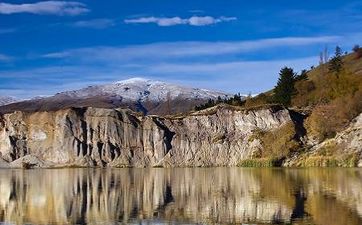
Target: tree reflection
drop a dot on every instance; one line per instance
(185, 195)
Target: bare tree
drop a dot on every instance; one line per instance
(323, 60)
(323, 56)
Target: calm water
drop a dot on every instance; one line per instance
(181, 196)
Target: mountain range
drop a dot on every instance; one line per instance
(139, 94)
(5, 100)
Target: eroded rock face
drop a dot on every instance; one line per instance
(348, 141)
(121, 138)
(351, 138)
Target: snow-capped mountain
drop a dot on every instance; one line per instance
(4, 100)
(142, 95)
(139, 89)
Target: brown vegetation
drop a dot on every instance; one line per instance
(329, 118)
(278, 143)
(331, 154)
(333, 98)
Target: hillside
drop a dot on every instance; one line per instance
(319, 125)
(331, 102)
(329, 98)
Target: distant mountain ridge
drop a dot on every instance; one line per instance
(139, 94)
(135, 89)
(4, 100)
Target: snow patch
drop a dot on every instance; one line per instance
(5, 100)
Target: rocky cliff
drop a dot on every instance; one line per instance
(219, 136)
(120, 138)
(345, 149)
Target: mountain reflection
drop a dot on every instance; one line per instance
(184, 195)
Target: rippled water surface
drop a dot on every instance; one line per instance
(181, 196)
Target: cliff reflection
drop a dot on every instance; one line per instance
(210, 195)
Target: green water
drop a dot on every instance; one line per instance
(181, 196)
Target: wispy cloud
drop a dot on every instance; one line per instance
(5, 58)
(233, 77)
(247, 68)
(94, 23)
(186, 49)
(215, 65)
(181, 62)
(173, 21)
(332, 20)
(27, 83)
(59, 8)
(7, 30)
(196, 11)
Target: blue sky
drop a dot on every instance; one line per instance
(234, 46)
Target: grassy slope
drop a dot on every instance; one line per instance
(331, 102)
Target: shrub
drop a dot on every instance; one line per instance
(260, 162)
(326, 88)
(358, 51)
(328, 119)
(356, 48)
(280, 142)
(350, 160)
(261, 99)
(342, 86)
(303, 89)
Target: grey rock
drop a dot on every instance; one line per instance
(120, 138)
(4, 164)
(28, 162)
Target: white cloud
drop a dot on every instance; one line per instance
(208, 20)
(45, 8)
(166, 50)
(172, 21)
(95, 23)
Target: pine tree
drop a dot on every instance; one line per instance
(358, 51)
(356, 48)
(284, 90)
(336, 63)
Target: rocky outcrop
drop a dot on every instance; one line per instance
(350, 139)
(345, 149)
(220, 136)
(29, 162)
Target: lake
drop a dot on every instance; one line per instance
(181, 196)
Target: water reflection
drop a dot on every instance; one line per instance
(162, 196)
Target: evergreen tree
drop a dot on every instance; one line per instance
(356, 48)
(284, 90)
(358, 51)
(336, 63)
(219, 100)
